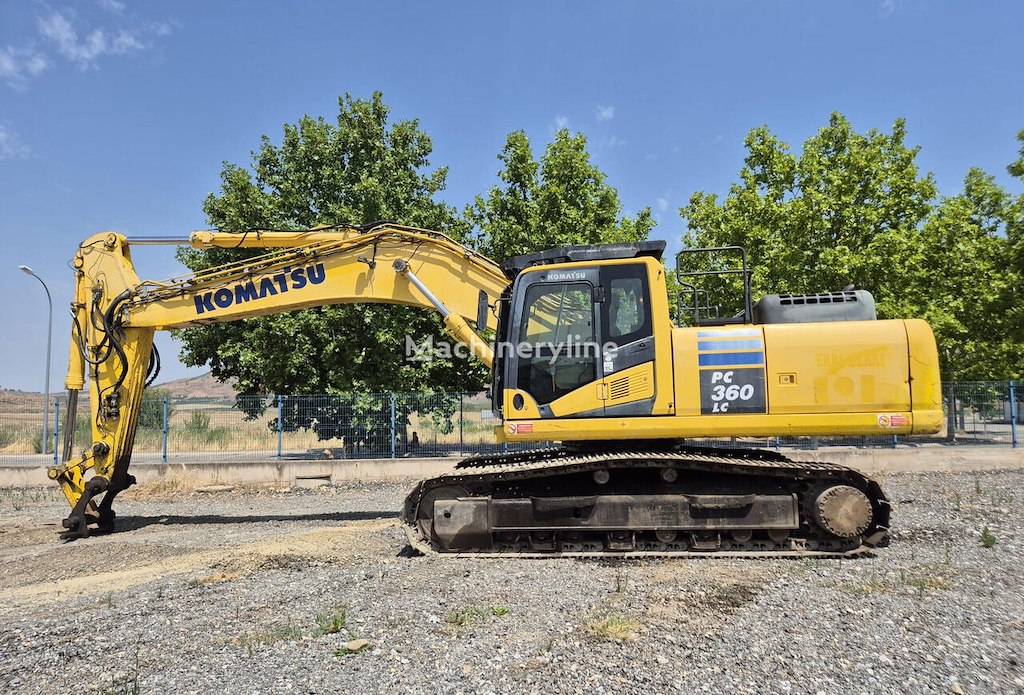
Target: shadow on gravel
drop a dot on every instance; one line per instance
(134, 523)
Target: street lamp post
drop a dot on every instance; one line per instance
(49, 334)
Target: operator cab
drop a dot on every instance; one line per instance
(575, 317)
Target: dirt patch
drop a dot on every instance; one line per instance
(63, 564)
(15, 535)
(701, 597)
(110, 564)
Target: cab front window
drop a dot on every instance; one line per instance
(557, 341)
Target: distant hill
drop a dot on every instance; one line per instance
(202, 386)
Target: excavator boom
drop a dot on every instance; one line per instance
(115, 315)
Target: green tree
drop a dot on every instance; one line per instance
(562, 200)
(1015, 236)
(854, 209)
(358, 169)
(834, 215)
(958, 277)
(151, 415)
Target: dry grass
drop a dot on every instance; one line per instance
(921, 579)
(281, 633)
(330, 623)
(170, 485)
(925, 578)
(224, 428)
(215, 578)
(868, 588)
(615, 628)
(24, 439)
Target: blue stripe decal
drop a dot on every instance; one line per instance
(718, 335)
(729, 360)
(710, 345)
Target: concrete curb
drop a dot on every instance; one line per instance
(241, 472)
(924, 459)
(870, 461)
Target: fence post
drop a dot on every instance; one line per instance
(166, 427)
(56, 428)
(462, 420)
(895, 442)
(1013, 417)
(951, 413)
(393, 429)
(280, 423)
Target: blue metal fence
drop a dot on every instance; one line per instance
(395, 425)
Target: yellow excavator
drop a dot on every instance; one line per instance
(584, 354)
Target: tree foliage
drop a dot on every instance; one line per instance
(562, 200)
(854, 209)
(821, 220)
(151, 414)
(1014, 216)
(358, 169)
(363, 168)
(957, 276)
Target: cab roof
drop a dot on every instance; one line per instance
(575, 254)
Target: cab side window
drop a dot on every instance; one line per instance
(628, 316)
(626, 310)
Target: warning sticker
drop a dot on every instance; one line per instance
(891, 421)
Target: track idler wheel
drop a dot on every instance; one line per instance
(425, 508)
(843, 511)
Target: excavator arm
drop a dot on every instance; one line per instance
(115, 315)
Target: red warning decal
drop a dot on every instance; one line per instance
(893, 421)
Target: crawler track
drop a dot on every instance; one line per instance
(686, 501)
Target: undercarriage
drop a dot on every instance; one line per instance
(678, 502)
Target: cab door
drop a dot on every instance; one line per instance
(627, 365)
(552, 360)
(557, 355)
(585, 344)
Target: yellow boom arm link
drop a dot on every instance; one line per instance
(115, 316)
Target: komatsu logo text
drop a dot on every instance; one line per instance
(252, 290)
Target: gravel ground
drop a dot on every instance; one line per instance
(265, 590)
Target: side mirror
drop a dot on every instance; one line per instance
(482, 309)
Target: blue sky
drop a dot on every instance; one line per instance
(116, 115)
